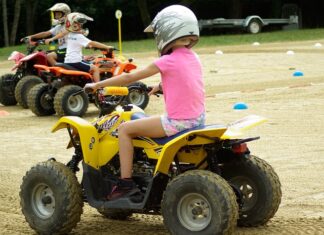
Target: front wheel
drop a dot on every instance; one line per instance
(199, 202)
(68, 104)
(24, 86)
(258, 187)
(7, 90)
(40, 100)
(51, 198)
(138, 95)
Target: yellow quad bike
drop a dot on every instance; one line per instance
(203, 180)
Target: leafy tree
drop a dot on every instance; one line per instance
(15, 22)
(5, 22)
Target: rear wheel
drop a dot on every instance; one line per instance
(68, 104)
(7, 90)
(23, 87)
(138, 95)
(259, 188)
(199, 202)
(51, 198)
(40, 100)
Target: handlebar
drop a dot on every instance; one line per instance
(33, 43)
(88, 90)
(103, 50)
(106, 91)
(157, 94)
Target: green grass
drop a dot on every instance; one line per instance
(148, 45)
(268, 37)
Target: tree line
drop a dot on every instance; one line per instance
(25, 17)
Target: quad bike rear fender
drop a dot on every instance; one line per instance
(61, 71)
(42, 67)
(206, 135)
(89, 138)
(238, 128)
(58, 71)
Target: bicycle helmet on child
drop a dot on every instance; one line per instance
(75, 21)
(172, 23)
(60, 7)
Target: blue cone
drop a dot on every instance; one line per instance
(240, 105)
(298, 74)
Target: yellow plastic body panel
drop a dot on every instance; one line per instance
(88, 137)
(195, 156)
(196, 137)
(99, 148)
(237, 128)
(108, 143)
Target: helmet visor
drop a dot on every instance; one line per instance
(148, 29)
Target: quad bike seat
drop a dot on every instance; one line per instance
(66, 66)
(164, 140)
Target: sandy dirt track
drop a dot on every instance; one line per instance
(262, 77)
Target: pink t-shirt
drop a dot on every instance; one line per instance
(182, 83)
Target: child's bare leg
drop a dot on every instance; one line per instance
(51, 58)
(95, 73)
(149, 127)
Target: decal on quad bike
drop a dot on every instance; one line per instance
(109, 123)
(158, 150)
(92, 141)
(146, 140)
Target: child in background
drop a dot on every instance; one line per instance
(76, 40)
(176, 30)
(60, 11)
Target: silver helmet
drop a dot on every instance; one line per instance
(61, 7)
(172, 23)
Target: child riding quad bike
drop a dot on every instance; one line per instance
(14, 87)
(63, 81)
(22, 86)
(203, 180)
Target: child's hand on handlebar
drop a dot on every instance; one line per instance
(90, 88)
(154, 89)
(26, 39)
(48, 41)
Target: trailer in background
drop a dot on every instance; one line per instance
(252, 24)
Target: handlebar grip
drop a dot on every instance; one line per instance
(41, 42)
(159, 92)
(88, 90)
(121, 91)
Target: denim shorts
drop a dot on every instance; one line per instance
(82, 66)
(174, 126)
(60, 53)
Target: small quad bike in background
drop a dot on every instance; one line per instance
(63, 81)
(203, 180)
(15, 87)
(137, 91)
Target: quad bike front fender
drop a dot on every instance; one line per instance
(124, 67)
(88, 135)
(128, 67)
(16, 56)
